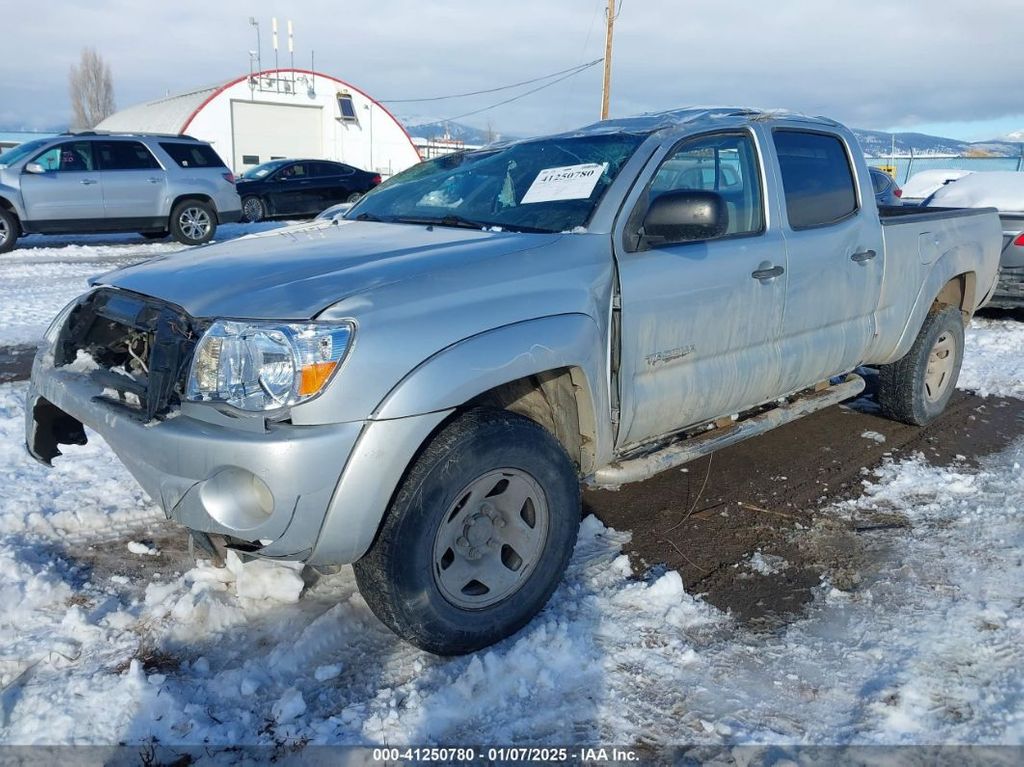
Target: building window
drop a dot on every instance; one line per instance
(346, 107)
(250, 159)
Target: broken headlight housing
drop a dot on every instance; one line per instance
(261, 366)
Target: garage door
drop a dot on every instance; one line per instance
(262, 132)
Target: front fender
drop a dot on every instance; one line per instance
(477, 364)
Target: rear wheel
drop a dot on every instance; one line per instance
(253, 209)
(477, 537)
(9, 230)
(193, 222)
(354, 197)
(916, 388)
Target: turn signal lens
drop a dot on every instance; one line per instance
(313, 377)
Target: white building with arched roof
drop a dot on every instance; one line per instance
(295, 113)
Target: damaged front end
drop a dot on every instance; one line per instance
(134, 349)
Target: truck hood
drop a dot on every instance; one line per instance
(297, 272)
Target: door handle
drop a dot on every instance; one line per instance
(88, 181)
(766, 273)
(863, 255)
(154, 180)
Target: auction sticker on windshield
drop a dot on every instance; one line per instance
(570, 182)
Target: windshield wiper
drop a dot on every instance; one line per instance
(453, 221)
(368, 217)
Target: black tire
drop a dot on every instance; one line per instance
(154, 235)
(399, 576)
(193, 222)
(253, 209)
(907, 391)
(10, 230)
(354, 197)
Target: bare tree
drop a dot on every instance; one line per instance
(92, 90)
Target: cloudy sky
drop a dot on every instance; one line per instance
(945, 66)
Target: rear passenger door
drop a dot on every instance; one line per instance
(293, 190)
(835, 254)
(334, 183)
(134, 184)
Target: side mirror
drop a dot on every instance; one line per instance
(685, 216)
(34, 167)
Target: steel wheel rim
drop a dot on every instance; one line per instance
(194, 223)
(253, 210)
(490, 539)
(940, 366)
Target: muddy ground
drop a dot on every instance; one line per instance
(765, 495)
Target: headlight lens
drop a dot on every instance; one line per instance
(265, 366)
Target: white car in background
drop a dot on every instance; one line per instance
(1003, 190)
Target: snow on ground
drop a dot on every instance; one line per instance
(994, 358)
(43, 274)
(928, 649)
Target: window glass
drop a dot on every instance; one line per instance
(816, 178)
(69, 157)
(346, 107)
(331, 169)
(189, 155)
(294, 171)
(879, 180)
(723, 163)
(551, 184)
(124, 155)
(250, 159)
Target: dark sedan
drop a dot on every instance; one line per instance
(300, 187)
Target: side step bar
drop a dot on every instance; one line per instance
(676, 454)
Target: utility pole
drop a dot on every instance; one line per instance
(606, 90)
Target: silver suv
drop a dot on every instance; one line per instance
(94, 182)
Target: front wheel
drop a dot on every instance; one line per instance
(253, 209)
(193, 222)
(916, 388)
(9, 230)
(477, 536)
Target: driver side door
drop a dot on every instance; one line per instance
(701, 319)
(69, 193)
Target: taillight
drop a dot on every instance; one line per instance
(229, 177)
(898, 192)
(376, 179)
(1019, 241)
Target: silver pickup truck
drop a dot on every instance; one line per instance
(419, 386)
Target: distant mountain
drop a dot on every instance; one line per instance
(465, 133)
(874, 143)
(879, 144)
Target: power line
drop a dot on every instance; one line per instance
(571, 70)
(521, 95)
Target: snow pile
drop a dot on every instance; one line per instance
(1002, 189)
(994, 358)
(923, 184)
(42, 274)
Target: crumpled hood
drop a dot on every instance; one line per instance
(297, 272)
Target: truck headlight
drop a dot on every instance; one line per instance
(259, 366)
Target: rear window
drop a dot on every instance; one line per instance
(816, 178)
(192, 155)
(124, 155)
(880, 181)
